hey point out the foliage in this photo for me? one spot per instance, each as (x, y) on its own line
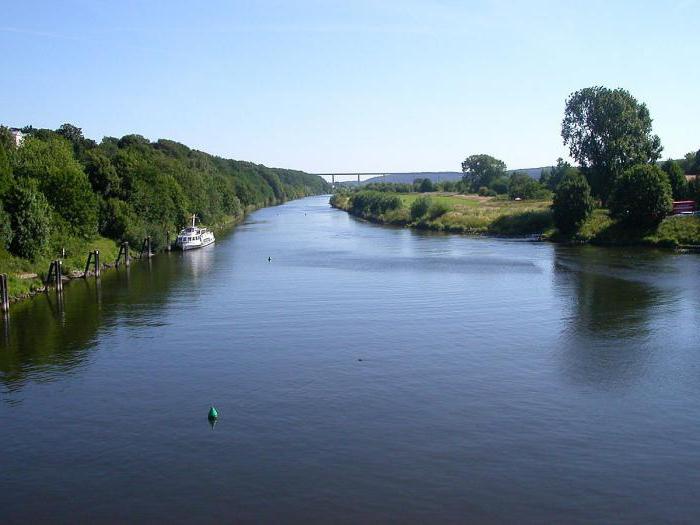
(676, 176)
(420, 207)
(437, 209)
(499, 185)
(552, 177)
(572, 204)
(522, 186)
(608, 132)
(374, 203)
(423, 185)
(481, 170)
(62, 181)
(5, 228)
(642, 196)
(30, 219)
(126, 188)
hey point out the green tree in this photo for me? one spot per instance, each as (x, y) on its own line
(30, 219)
(102, 174)
(522, 186)
(608, 132)
(642, 196)
(420, 207)
(61, 178)
(572, 202)
(5, 228)
(676, 176)
(552, 177)
(481, 170)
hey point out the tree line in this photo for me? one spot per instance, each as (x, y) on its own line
(59, 183)
(609, 134)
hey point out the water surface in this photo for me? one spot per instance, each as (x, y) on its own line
(364, 374)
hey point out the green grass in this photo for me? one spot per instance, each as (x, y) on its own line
(471, 214)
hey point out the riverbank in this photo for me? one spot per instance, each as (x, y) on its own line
(26, 278)
(477, 215)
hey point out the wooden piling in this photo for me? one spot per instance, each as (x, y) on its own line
(4, 294)
(123, 253)
(87, 264)
(59, 275)
(97, 263)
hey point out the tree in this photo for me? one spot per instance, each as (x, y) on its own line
(5, 228)
(30, 219)
(102, 174)
(572, 202)
(676, 176)
(424, 185)
(522, 186)
(51, 162)
(553, 176)
(608, 132)
(691, 162)
(420, 207)
(481, 170)
(642, 196)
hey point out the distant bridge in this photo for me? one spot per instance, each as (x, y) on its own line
(348, 177)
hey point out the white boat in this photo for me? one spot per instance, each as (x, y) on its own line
(193, 237)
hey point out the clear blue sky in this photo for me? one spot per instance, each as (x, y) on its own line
(356, 85)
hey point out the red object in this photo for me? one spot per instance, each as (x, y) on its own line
(683, 207)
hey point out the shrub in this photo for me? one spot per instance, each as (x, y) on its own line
(500, 185)
(420, 207)
(30, 215)
(676, 176)
(373, 202)
(437, 209)
(642, 195)
(572, 203)
(523, 186)
(5, 228)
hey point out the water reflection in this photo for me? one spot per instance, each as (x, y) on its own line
(611, 304)
(52, 333)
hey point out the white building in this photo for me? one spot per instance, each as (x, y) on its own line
(18, 136)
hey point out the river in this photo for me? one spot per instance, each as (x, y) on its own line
(363, 374)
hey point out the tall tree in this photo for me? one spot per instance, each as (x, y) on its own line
(608, 132)
(679, 186)
(481, 170)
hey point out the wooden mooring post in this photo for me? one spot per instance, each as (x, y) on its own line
(123, 254)
(146, 247)
(55, 275)
(94, 258)
(4, 294)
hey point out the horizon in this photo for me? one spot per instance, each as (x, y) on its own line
(400, 87)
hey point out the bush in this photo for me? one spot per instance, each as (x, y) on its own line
(437, 209)
(420, 207)
(5, 228)
(523, 186)
(642, 195)
(373, 202)
(500, 185)
(572, 203)
(30, 215)
(676, 176)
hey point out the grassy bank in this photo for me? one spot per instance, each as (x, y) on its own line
(26, 277)
(476, 215)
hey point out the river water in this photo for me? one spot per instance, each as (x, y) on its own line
(364, 374)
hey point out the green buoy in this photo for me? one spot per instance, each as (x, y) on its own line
(213, 414)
